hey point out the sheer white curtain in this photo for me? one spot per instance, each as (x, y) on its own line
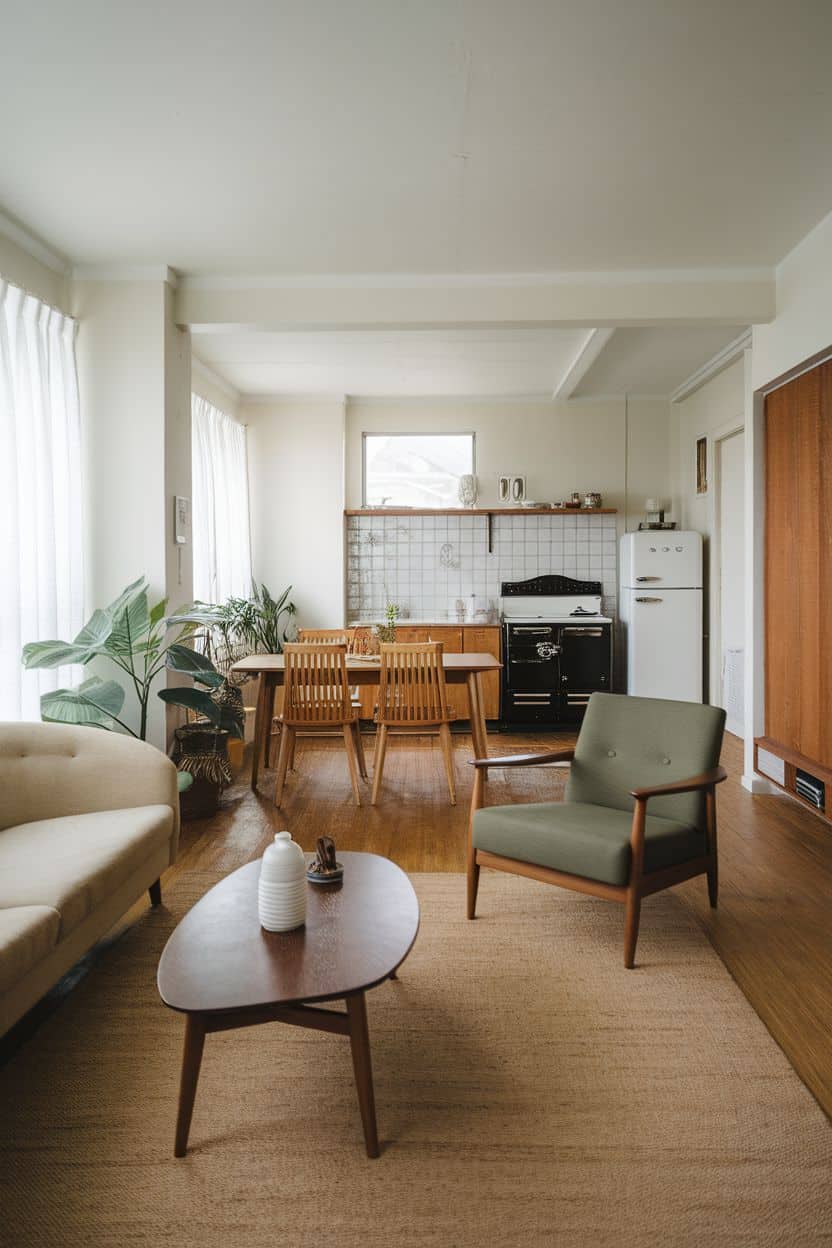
(221, 534)
(41, 535)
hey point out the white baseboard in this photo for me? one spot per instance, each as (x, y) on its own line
(756, 784)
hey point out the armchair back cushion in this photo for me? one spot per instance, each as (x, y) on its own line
(630, 743)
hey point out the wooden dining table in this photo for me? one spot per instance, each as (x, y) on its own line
(460, 669)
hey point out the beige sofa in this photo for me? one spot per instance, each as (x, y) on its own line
(88, 821)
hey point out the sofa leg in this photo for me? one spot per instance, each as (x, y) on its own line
(632, 914)
(155, 891)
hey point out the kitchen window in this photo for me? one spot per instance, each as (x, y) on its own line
(415, 469)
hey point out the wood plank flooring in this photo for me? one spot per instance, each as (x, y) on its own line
(772, 928)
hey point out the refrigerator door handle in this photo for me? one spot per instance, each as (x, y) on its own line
(649, 599)
(648, 578)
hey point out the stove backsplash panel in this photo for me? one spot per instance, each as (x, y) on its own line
(424, 563)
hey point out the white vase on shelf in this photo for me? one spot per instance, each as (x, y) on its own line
(467, 489)
(281, 891)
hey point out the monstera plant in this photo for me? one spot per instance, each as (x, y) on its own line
(140, 642)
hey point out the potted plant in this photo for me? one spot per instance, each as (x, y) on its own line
(387, 631)
(135, 638)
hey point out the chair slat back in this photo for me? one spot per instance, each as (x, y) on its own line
(316, 685)
(328, 636)
(412, 684)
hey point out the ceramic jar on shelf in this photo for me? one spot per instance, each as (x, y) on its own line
(281, 892)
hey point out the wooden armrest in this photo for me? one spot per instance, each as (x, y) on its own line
(708, 778)
(524, 760)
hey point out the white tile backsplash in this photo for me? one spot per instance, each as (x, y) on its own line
(423, 563)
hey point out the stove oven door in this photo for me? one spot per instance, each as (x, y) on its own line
(585, 666)
(531, 675)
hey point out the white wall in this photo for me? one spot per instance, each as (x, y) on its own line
(134, 382)
(558, 446)
(22, 269)
(716, 407)
(296, 483)
(803, 324)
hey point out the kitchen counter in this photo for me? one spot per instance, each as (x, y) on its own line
(427, 623)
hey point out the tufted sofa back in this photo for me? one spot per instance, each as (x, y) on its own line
(629, 743)
(49, 770)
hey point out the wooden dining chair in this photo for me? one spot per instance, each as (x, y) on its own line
(601, 840)
(319, 637)
(411, 698)
(317, 696)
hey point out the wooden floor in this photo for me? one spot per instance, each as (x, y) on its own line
(773, 927)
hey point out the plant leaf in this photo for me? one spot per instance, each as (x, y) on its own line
(89, 642)
(130, 625)
(190, 662)
(157, 612)
(95, 701)
(193, 700)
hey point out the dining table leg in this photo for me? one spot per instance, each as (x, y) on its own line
(259, 728)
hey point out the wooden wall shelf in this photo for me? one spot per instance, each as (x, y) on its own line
(481, 511)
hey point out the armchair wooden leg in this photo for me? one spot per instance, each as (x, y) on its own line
(713, 870)
(473, 866)
(632, 914)
(155, 891)
(473, 881)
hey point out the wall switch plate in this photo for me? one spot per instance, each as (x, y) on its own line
(181, 519)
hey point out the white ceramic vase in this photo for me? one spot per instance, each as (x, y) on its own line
(281, 892)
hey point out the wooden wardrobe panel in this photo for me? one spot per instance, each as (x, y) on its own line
(799, 564)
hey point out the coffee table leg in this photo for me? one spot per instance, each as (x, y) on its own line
(360, 1045)
(191, 1062)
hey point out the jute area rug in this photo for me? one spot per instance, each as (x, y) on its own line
(530, 1091)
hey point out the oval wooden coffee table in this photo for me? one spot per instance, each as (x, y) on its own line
(222, 970)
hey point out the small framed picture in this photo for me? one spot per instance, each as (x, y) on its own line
(702, 465)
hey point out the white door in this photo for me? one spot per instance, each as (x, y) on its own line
(664, 643)
(732, 578)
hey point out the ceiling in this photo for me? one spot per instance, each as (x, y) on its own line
(434, 137)
(456, 362)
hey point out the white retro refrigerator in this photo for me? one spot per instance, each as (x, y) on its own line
(660, 608)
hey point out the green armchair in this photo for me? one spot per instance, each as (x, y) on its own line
(601, 839)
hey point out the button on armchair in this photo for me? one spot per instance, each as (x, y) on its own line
(639, 813)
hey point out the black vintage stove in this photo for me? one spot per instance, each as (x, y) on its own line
(557, 650)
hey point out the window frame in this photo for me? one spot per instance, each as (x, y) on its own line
(412, 433)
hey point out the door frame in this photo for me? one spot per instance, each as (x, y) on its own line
(718, 436)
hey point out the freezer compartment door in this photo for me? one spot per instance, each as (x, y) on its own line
(662, 558)
(664, 643)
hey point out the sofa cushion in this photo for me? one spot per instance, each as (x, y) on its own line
(73, 863)
(27, 935)
(582, 839)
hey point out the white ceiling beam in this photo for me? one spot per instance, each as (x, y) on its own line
(711, 367)
(592, 347)
(586, 300)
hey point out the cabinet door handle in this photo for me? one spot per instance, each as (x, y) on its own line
(649, 599)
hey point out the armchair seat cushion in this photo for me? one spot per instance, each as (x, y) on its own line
(74, 863)
(582, 839)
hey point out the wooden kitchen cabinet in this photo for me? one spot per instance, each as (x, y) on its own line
(486, 640)
(455, 640)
